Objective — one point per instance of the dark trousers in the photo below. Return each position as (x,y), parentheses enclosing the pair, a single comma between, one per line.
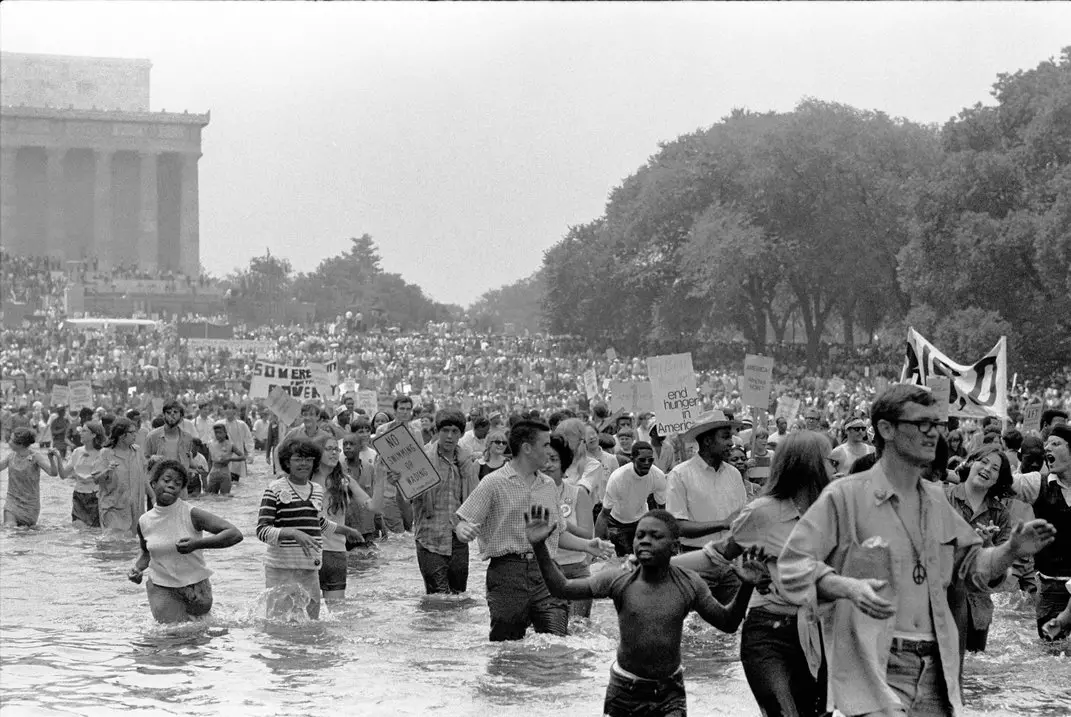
(1052,599)
(444,573)
(517,597)
(622,535)
(776,667)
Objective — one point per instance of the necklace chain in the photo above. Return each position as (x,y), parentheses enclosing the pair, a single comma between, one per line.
(918,573)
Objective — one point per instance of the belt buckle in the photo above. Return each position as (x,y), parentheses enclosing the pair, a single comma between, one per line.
(527,556)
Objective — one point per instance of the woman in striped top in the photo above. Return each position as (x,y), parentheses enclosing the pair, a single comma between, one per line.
(291,523)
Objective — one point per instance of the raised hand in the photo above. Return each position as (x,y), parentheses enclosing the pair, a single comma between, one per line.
(1030,537)
(750,566)
(987,533)
(537,526)
(600,548)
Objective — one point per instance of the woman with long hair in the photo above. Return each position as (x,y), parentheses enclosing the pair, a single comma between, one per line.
(779,646)
(123,486)
(494,455)
(339,489)
(983,498)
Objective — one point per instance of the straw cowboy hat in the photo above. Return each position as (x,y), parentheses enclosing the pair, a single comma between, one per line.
(709,421)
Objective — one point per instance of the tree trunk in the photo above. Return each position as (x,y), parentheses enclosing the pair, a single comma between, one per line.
(847,318)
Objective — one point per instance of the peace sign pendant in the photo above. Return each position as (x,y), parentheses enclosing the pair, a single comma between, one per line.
(919,573)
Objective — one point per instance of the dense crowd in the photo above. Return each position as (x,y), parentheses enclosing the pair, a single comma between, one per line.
(747,522)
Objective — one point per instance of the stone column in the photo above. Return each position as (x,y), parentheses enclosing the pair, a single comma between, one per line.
(189,234)
(102,211)
(148,227)
(8,160)
(56,241)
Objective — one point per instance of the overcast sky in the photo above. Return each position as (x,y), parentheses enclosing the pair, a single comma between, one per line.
(466,139)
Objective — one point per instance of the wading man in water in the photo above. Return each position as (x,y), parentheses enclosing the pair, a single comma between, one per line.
(652,602)
(885,545)
(516,594)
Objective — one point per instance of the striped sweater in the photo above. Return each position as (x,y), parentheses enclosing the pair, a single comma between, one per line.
(281,507)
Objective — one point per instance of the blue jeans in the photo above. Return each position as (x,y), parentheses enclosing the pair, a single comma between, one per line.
(776,667)
(919,683)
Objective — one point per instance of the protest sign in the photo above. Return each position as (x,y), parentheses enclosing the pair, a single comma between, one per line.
(835,385)
(157,406)
(673,392)
(788,408)
(631,396)
(610,354)
(322,380)
(368,400)
(7,386)
(80,394)
(235,346)
(297,380)
(1032,417)
(880,384)
(61,395)
(976,390)
(940,386)
(755,386)
(591,383)
(403,455)
(283,405)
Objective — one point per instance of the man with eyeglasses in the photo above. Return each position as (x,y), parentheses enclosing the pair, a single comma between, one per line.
(847,453)
(884,546)
(1049,492)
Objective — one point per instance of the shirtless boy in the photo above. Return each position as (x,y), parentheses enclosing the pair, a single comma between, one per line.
(652,602)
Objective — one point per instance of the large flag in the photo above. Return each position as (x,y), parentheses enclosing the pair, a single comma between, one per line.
(977,390)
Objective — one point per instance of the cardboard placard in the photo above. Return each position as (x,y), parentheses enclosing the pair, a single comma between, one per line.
(298,380)
(235,346)
(591,383)
(368,400)
(1032,417)
(283,405)
(755,385)
(631,396)
(80,394)
(610,354)
(673,393)
(403,455)
(787,408)
(61,395)
(157,406)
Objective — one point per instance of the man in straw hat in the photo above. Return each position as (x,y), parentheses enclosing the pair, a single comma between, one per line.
(705,494)
(855,447)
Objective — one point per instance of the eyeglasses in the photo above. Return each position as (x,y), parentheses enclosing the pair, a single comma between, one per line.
(925,425)
(498,443)
(856,428)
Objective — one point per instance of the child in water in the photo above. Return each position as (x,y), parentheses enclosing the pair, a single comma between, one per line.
(24,466)
(652,602)
(171,545)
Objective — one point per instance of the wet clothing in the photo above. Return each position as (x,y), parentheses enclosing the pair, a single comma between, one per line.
(122,491)
(285,506)
(195,599)
(23,489)
(161,528)
(629,695)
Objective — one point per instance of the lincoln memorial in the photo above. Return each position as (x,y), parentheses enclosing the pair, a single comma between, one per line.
(89,172)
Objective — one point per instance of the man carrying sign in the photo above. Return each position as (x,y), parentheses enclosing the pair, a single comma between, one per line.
(443,558)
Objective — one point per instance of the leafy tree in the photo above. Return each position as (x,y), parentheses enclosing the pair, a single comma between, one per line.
(993,227)
(519,303)
(267,278)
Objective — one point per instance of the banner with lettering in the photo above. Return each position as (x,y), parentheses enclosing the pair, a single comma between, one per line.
(296,380)
(975,391)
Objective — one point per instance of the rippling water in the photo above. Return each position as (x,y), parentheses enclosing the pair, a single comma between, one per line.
(77,638)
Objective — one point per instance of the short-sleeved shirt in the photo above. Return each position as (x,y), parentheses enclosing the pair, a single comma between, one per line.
(497,507)
(698,492)
(767,522)
(626,492)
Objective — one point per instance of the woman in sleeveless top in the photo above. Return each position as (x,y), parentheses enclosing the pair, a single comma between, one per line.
(575,505)
(24,467)
(171,537)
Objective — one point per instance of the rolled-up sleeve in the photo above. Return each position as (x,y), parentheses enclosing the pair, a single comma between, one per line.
(802,561)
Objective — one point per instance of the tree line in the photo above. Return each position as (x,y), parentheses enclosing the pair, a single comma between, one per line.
(841,221)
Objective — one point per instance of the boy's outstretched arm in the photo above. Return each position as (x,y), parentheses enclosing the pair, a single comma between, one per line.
(537,529)
(750,568)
